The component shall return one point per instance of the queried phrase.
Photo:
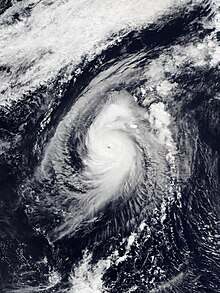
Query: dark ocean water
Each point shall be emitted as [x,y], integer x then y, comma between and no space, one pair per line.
[159,230]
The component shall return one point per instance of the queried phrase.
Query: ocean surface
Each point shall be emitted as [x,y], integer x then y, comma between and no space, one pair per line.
[110,146]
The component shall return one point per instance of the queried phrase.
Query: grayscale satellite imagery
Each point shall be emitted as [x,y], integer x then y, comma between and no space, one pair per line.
[110,146]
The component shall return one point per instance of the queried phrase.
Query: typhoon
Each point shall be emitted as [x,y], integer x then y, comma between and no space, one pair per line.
[109,146]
